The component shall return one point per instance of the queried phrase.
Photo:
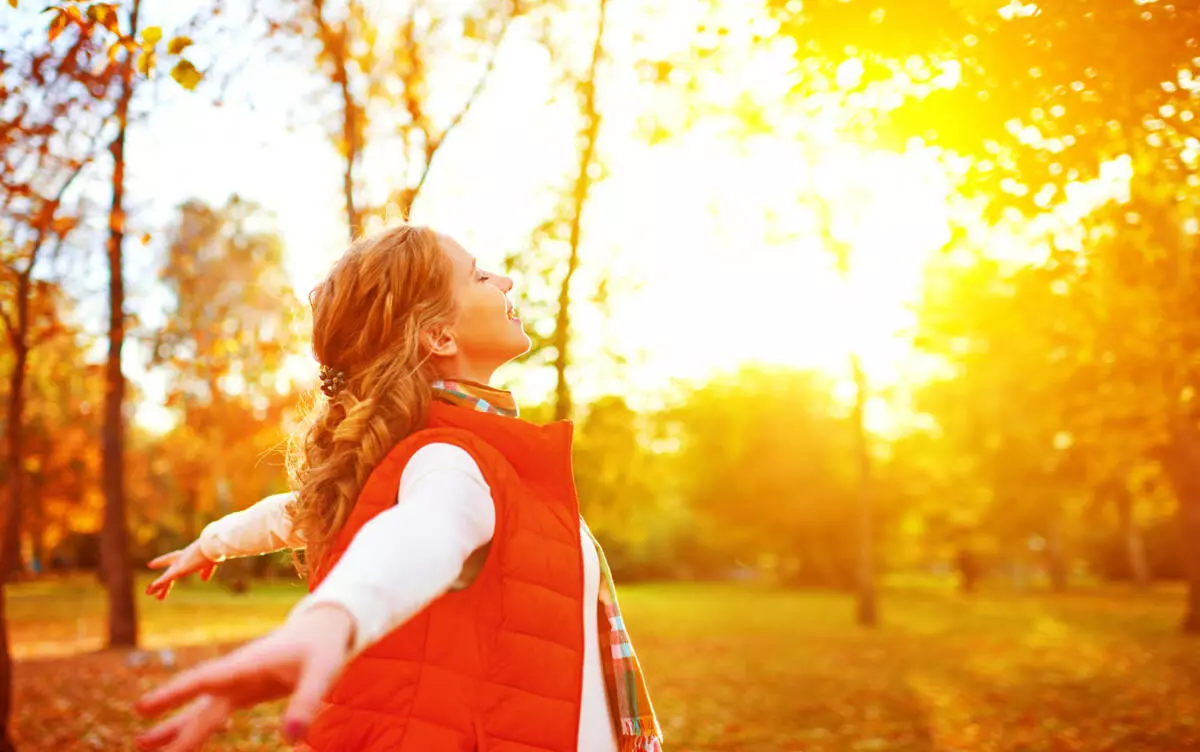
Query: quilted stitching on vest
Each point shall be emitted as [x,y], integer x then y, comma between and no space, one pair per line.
[496,666]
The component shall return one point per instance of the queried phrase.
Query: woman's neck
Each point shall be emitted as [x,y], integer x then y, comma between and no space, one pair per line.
[459,371]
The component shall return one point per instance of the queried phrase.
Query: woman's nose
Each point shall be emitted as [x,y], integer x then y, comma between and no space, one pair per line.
[504,283]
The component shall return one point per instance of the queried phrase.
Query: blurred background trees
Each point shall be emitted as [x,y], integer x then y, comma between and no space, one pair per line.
[1028,406]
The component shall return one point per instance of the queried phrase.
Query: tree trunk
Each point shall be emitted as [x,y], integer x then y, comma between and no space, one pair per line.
[966,561]
[10,544]
[1131,537]
[114,546]
[1189,533]
[6,684]
[1182,463]
[583,185]
[868,608]
[350,134]
[1185,477]
[37,529]
[1056,566]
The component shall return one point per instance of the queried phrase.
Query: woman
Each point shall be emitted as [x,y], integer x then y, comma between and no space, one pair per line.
[457,599]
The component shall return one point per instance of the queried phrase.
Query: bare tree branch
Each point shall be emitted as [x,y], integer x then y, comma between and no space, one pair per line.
[9,327]
[335,45]
[434,144]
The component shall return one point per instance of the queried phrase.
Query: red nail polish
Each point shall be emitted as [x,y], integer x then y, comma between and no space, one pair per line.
[293,731]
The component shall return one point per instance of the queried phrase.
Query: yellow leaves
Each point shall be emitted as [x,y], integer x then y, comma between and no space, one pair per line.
[473,29]
[186,74]
[151,36]
[145,47]
[12,3]
[178,45]
[145,62]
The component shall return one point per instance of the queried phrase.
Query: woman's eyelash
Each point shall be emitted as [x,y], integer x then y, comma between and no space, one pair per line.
[483,277]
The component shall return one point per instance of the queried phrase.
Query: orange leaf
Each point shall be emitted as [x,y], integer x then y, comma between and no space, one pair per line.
[105,15]
[57,25]
[177,45]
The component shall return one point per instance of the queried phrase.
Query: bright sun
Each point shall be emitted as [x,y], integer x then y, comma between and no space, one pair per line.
[737,270]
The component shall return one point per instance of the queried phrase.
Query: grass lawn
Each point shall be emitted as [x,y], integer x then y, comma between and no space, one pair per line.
[731,667]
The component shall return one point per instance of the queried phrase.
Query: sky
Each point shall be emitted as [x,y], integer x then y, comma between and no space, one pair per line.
[718,261]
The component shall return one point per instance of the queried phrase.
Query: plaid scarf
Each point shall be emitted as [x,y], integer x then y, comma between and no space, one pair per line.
[473,396]
[629,698]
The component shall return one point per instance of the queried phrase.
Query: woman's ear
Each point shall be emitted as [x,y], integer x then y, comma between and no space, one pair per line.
[442,344]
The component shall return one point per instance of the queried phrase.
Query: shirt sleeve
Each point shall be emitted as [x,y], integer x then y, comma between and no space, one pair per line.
[259,529]
[408,555]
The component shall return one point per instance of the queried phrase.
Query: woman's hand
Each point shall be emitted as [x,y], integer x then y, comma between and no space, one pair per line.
[180,563]
[301,659]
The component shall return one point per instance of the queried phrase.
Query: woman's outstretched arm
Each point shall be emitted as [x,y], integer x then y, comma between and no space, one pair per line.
[259,529]
[398,562]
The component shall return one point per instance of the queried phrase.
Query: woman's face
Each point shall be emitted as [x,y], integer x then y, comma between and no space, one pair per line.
[486,332]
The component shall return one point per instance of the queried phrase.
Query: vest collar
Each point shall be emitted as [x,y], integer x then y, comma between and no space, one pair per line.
[534,451]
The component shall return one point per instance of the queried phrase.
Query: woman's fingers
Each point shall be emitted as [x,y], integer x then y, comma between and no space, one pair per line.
[251,674]
[165,560]
[163,733]
[211,715]
[203,716]
[179,564]
[211,676]
[162,583]
[316,677]
[301,659]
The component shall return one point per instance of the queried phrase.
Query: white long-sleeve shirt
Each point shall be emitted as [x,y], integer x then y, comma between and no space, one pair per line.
[408,555]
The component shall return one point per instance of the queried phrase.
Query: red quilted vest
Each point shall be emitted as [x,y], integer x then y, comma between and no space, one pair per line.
[495,666]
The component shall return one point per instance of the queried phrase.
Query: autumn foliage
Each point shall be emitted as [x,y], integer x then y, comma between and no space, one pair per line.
[1001,461]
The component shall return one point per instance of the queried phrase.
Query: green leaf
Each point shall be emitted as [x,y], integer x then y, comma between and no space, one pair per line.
[151,35]
[186,74]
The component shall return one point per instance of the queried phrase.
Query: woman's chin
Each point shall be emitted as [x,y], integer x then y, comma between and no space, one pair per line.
[526,342]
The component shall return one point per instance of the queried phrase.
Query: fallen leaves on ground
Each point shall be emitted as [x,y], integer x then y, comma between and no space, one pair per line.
[743,668]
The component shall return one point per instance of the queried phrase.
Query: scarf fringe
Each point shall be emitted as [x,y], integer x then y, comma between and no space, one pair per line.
[641,743]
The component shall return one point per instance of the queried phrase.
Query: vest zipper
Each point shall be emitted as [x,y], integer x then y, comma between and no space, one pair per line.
[570,428]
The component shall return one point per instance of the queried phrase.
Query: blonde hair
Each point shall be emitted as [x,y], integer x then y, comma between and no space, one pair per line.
[370,318]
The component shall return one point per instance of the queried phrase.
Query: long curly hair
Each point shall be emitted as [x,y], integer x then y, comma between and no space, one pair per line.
[372,319]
